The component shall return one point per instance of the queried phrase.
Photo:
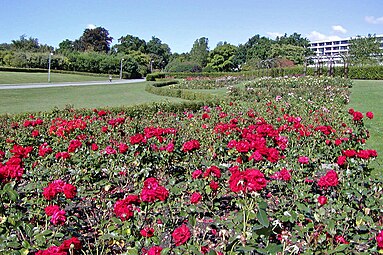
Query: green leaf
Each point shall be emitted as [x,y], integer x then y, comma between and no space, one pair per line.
[339,248]
[262,218]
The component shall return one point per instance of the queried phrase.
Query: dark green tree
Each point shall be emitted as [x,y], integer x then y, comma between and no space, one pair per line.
[96,39]
[365,50]
[25,44]
[222,58]
[130,43]
[200,51]
[159,53]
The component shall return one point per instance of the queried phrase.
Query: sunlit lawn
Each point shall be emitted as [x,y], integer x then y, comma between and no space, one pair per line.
[368,96]
[20,77]
[45,99]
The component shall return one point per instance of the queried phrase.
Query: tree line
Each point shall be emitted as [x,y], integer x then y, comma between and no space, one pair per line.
[92,52]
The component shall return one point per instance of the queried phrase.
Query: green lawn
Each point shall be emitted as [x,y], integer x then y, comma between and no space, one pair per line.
[45,99]
[368,96]
[20,77]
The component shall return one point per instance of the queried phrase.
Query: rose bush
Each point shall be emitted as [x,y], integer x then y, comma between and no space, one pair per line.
[268,175]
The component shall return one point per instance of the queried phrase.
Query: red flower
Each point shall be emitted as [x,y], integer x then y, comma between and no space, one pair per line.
[349,153]
[369,115]
[190,146]
[147,232]
[153,191]
[74,242]
[51,209]
[341,239]
[357,116]
[70,191]
[284,175]
[379,239]
[110,150]
[214,171]
[329,180]
[196,174]
[304,160]
[247,181]
[181,235]
[94,147]
[195,198]
[341,160]
[214,185]
[122,148]
[58,217]
[137,139]
[322,200]
[155,250]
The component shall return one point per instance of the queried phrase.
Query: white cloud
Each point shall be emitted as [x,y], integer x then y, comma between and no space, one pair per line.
[316,36]
[373,20]
[274,34]
[91,26]
[339,28]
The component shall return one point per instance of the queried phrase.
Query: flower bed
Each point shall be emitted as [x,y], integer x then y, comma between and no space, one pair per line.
[286,174]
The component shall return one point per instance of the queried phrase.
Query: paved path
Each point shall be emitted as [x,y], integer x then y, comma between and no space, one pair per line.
[66,84]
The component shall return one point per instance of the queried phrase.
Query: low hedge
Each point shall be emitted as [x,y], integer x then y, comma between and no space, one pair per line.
[181,93]
[41,70]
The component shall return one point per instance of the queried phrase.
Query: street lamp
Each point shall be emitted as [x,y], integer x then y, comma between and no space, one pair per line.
[49,66]
[121,68]
[151,66]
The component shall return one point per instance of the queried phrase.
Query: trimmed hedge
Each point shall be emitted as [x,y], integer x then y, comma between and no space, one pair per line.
[181,93]
[154,76]
[40,70]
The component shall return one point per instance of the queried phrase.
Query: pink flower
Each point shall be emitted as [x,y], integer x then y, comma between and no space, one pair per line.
[147,232]
[58,218]
[304,160]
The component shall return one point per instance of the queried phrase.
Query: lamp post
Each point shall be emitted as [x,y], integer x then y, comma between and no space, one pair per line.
[49,66]
[121,68]
[151,66]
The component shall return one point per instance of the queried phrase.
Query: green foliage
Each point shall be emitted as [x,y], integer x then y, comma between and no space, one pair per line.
[154,76]
[365,50]
[200,51]
[185,66]
[222,58]
[95,39]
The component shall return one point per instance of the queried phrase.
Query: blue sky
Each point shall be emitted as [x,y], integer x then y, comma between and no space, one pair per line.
[180,22]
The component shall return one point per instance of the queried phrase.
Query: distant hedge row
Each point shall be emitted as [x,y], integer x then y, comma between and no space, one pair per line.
[40,70]
[354,72]
[181,93]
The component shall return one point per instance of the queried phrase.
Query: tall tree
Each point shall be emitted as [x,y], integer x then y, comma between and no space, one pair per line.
[130,43]
[222,57]
[159,52]
[26,44]
[96,39]
[294,39]
[365,50]
[200,51]
[288,51]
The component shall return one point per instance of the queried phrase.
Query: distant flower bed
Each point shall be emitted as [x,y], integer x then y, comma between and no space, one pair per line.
[282,173]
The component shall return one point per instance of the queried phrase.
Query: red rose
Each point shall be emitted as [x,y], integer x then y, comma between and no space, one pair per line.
[341,160]
[58,218]
[328,180]
[190,145]
[357,116]
[214,185]
[122,148]
[369,115]
[70,191]
[51,209]
[322,200]
[341,239]
[147,232]
[94,147]
[155,250]
[66,245]
[162,193]
[379,239]
[195,198]
[181,235]
[303,160]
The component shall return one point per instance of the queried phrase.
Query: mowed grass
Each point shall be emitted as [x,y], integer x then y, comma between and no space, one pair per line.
[20,77]
[368,96]
[46,99]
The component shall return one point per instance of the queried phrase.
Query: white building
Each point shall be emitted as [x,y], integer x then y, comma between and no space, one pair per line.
[333,49]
